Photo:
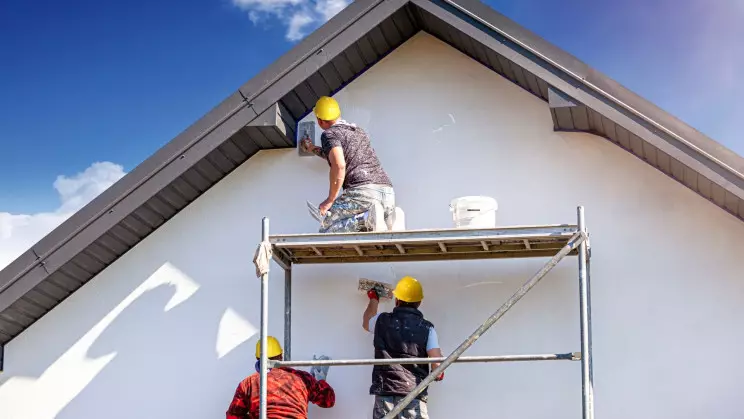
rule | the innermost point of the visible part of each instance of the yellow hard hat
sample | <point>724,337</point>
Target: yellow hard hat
<point>327,109</point>
<point>274,348</point>
<point>409,290</point>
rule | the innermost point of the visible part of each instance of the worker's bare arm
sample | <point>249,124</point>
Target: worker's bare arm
<point>369,312</point>
<point>434,353</point>
<point>338,171</point>
<point>336,177</point>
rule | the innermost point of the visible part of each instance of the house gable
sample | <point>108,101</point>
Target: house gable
<point>263,114</point>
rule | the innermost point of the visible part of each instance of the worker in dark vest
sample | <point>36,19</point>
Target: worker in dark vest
<point>403,333</point>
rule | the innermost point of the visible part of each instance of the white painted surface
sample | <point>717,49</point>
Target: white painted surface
<point>169,330</point>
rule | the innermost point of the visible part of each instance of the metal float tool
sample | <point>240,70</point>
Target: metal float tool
<point>384,290</point>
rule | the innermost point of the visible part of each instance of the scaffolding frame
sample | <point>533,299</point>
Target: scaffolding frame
<point>557,241</point>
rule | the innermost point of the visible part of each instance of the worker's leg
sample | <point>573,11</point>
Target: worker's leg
<point>384,404</point>
<point>350,212</point>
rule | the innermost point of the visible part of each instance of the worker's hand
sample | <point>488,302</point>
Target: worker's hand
<point>307,145</point>
<point>320,372</point>
<point>372,294</point>
<point>440,377</point>
<point>325,206</point>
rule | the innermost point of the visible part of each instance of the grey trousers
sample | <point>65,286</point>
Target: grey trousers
<point>350,211</point>
<point>384,404</point>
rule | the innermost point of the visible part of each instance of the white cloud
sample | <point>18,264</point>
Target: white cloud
<point>297,23</point>
<point>299,16</point>
<point>18,232</point>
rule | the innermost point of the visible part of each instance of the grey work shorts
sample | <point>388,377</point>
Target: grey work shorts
<point>384,404</point>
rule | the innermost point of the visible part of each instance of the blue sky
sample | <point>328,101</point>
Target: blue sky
<point>85,81</point>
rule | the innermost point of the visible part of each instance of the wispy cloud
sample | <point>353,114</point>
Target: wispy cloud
<point>18,232</point>
<point>299,16</point>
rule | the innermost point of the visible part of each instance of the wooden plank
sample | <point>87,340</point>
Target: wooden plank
<point>741,209</point>
<point>476,248</point>
<point>434,258</point>
<point>433,236</point>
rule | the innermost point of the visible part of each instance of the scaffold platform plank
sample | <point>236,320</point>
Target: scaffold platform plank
<point>422,245</point>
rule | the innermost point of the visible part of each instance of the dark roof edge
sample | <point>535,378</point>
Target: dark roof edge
<point>602,84</point>
<point>248,102</point>
<point>119,191</point>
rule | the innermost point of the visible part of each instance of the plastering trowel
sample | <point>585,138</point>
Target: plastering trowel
<point>313,210</point>
<point>384,290</point>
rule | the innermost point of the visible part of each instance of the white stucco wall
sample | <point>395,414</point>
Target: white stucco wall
<point>169,329</point>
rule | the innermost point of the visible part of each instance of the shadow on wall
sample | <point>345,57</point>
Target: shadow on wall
<point>160,351</point>
<point>168,334</point>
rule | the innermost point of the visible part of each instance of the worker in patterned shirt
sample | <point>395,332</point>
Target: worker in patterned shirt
<point>355,167</point>
<point>289,390</point>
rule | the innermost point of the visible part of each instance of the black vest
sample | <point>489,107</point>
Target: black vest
<point>400,334</point>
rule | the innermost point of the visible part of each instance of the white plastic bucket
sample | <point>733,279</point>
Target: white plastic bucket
<point>474,212</point>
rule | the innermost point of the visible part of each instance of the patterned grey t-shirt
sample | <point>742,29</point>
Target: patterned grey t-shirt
<point>362,165</point>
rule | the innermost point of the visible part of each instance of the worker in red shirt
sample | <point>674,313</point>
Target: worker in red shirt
<point>289,391</point>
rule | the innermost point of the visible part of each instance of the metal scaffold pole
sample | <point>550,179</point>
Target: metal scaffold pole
<point>575,356</point>
<point>288,313</point>
<point>587,385</point>
<point>576,240</point>
<point>264,326</point>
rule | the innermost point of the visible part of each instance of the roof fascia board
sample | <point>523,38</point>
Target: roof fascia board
<point>558,76</point>
<point>17,282</point>
<point>600,82</point>
<point>323,52</point>
<point>102,203</point>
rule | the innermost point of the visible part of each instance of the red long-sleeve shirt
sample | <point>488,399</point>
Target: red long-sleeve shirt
<point>288,394</point>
